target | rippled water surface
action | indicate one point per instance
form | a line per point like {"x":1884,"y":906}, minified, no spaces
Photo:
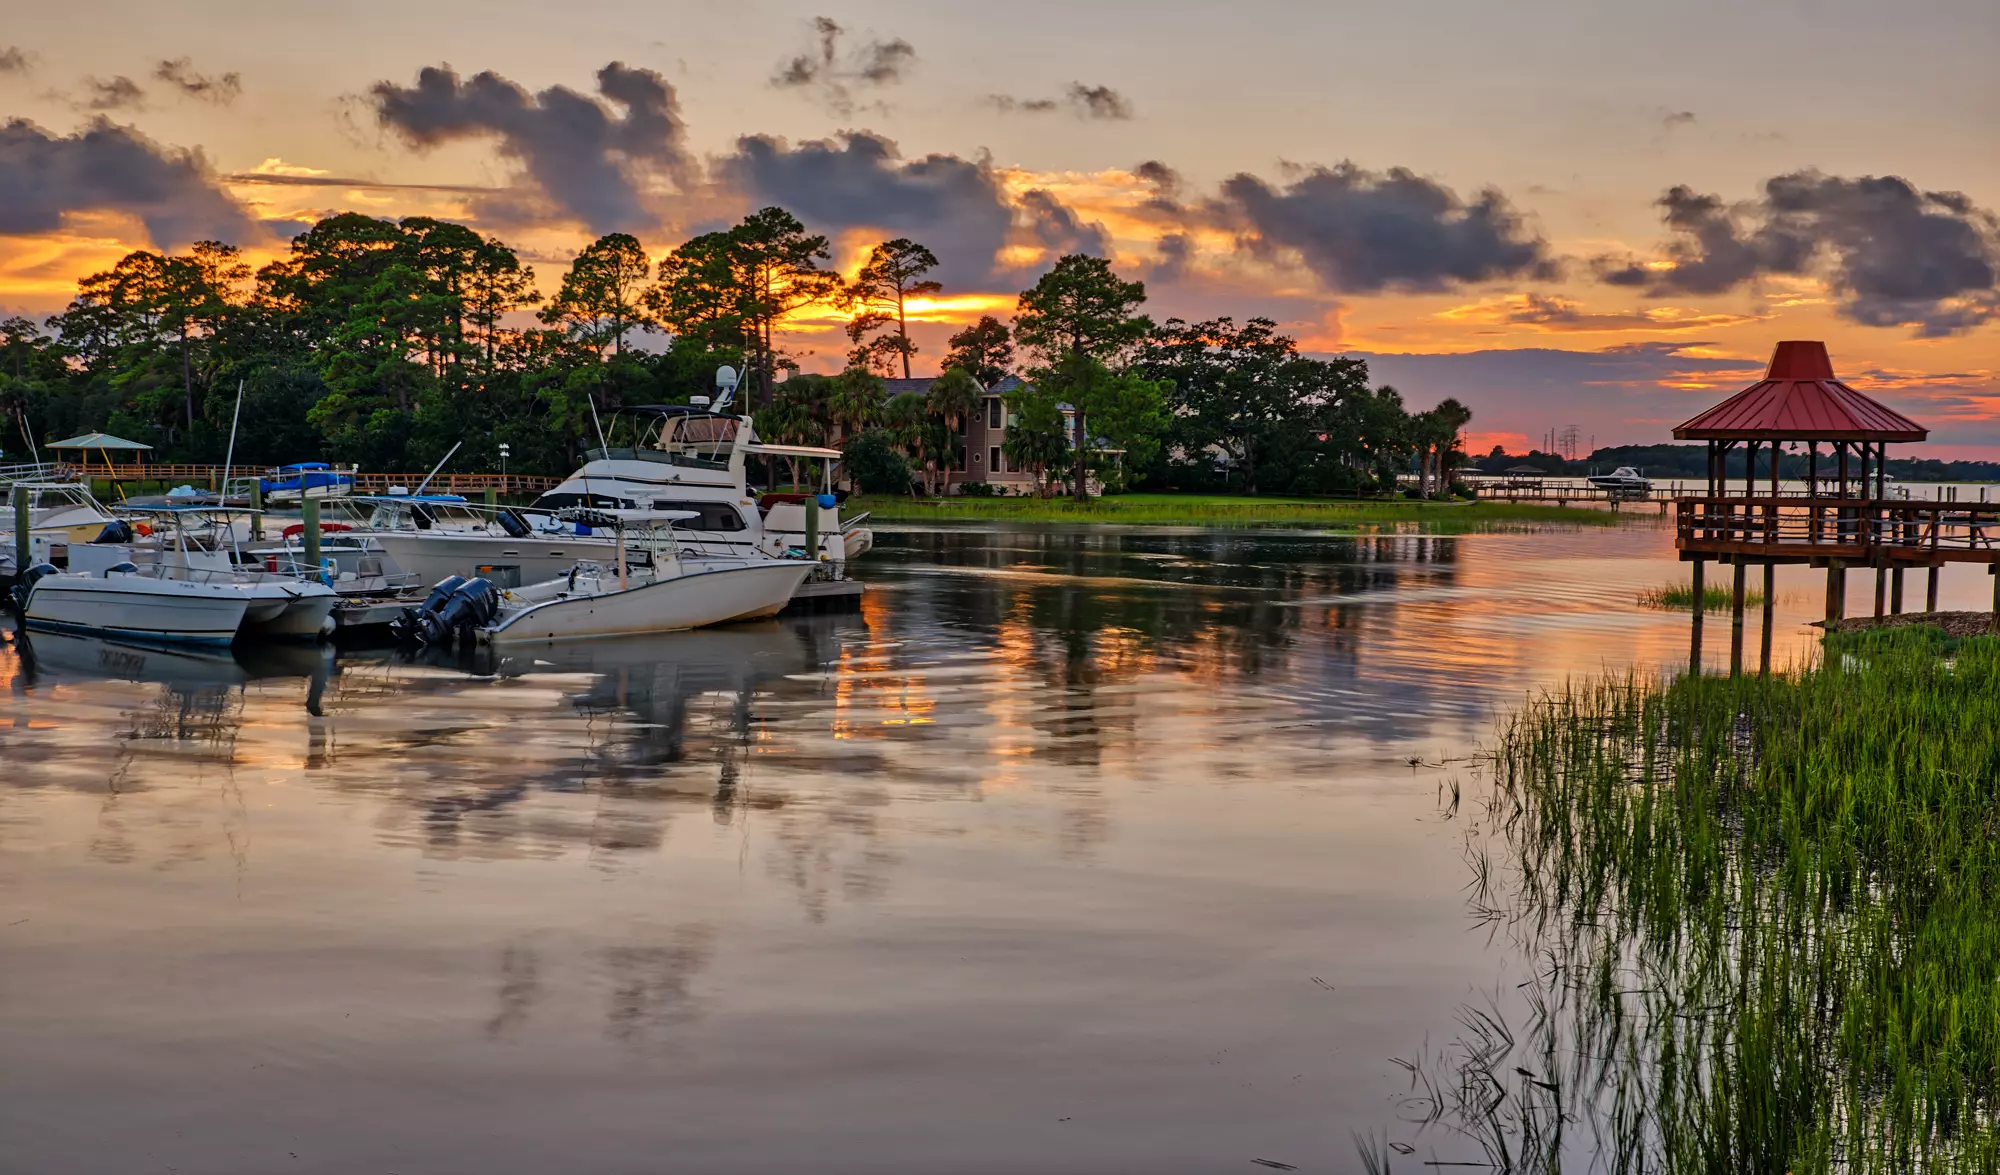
{"x":1073,"y":850}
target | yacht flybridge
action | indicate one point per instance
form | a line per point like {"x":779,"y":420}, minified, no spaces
{"x":687,"y":460}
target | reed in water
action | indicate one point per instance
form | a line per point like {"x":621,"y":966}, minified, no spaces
{"x":1765,"y":915}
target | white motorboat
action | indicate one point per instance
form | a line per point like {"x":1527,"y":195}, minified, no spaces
{"x":120,"y":601}
{"x":681,"y":459}
{"x":1624,"y":479}
{"x":196,"y":544}
{"x":648,"y":589}
{"x":59,"y":513}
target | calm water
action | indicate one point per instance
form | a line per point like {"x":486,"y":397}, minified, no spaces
{"x":1073,"y":851}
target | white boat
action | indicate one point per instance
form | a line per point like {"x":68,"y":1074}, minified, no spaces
{"x":647,"y":589}
{"x":196,"y":544}
{"x":681,"y":459}
{"x":59,"y":513}
{"x":122,"y":602}
{"x":1623,"y":479}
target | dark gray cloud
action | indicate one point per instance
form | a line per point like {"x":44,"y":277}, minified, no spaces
{"x":835,"y":75}
{"x":1892,"y":254}
{"x":1055,"y":227}
{"x":119,"y":93}
{"x":955,"y":206}
{"x":1086,"y":102}
{"x":1164,"y":180}
{"x":179,"y":72}
{"x":111,"y":168}
{"x":1176,"y":250}
{"x":339,"y":181}
{"x":593,"y":162}
{"x":1361,"y":231}
{"x":1674,"y":118}
{"x":13,"y":59}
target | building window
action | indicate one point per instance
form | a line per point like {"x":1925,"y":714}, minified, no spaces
{"x":958,"y":458}
{"x":975,"y":458}
{"x":993,"y":462}
{"x":993,"y":412}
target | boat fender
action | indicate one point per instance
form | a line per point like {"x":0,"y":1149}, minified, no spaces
{"x":513,"y":524}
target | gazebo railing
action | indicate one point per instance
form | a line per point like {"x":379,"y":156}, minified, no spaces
{"x":1838,"y":527}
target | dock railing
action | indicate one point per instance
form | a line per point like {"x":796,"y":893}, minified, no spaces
{"x":1855,"y":530}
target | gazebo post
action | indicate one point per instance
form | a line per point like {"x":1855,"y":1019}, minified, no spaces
{"x":1770,"y":618}
{"x":1931,"y":590}
{"x":1836,"y":593}
{"x":1881,"y":586}
{"x":1694,"y":653}
{"x":1736,"y":617}
{"x":1896,"y":591}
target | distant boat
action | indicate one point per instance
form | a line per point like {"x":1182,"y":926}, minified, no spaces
{"x":1624,"y":479}
{"x":310,"y":479}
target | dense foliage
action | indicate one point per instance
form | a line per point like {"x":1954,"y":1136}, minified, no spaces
{"x":385,"y":342}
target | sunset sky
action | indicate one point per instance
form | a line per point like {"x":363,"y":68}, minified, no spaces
{"x":1560,"y":212}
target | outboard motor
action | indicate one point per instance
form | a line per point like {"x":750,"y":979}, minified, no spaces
{"x":408,"y":626}
{"x":25,"y":585}
{"x":115,"y":531}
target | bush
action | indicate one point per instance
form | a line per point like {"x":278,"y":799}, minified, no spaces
{"x":875,"y":465}
{"x":980,"y":489}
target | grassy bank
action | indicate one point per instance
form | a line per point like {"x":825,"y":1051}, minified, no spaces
{"x":1764,"y":916}
{"x":1219,"y":510}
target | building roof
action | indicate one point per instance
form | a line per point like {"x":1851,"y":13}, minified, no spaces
{"x":922,"y":385}
{"x":1800,"y":400}
{"x":98,"y":440}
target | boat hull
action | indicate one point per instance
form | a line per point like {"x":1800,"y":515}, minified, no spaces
{"x":695,"y":600}
{"x":431,"y":556}
{"x":138,"y":607}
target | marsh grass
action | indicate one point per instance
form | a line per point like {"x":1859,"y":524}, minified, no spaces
{"x":1766,"y":920}
{"x":1680,"y":597}
{"x":1224,"y":511}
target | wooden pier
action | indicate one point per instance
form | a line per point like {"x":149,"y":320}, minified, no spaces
{"x":1844,"y":518}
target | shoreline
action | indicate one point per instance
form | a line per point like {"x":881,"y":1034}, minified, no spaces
{"x":1231,"y":511}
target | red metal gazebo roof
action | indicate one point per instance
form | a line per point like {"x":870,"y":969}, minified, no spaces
{"x":1799,"y":400}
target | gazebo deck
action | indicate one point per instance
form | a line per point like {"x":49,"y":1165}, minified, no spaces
{"x":1856,"y":532}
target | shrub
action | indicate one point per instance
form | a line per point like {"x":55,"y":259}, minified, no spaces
{"x":980,"y":489}
{"x":875,"y":465}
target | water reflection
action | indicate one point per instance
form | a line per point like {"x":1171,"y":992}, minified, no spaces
{"x":1088,"y":828}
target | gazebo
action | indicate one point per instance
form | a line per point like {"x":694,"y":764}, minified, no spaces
{"x":1842,"y":517}
{"x":104,"y":444}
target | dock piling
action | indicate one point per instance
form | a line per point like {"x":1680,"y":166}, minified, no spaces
{"x":1694,"y":654}
{"x":1896,"y":592}
{"x":1836,"y":592}
{"x":309,"y":517}
{"x":1736,"y":594}
{"x":1881,"y":588}
{"x":22,"y":545}
{"x":1931,"y":590}
{"x":1770,"y":618}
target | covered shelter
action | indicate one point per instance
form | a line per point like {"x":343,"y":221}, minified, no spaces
{"x":1799,"y":401}
{"x":104,"y":445}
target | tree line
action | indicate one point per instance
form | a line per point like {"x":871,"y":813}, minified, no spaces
{"x":385,"y":342}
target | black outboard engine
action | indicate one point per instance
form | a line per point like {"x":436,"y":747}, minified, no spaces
{"x":26,"y":584}
{"x":454,"y":608}
{"x":408,"y":627}
{"x":115,"y":531}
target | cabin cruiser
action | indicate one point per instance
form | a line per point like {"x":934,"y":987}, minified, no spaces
{"x":1624,"y":479}
{"x":113,"y":585}
{"x":59,"y":513}
{"x":648,"y":588}
{"x":682,"y":459}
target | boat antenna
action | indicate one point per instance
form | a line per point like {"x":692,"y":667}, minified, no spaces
{"x":427,"y":477}
{"x":592,"y":397}
{"x":229,"y":460}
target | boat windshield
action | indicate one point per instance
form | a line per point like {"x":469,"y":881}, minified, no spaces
{"x":695,"y":439}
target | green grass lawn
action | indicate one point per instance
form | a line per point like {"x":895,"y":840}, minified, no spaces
{"x":1442,"y":517}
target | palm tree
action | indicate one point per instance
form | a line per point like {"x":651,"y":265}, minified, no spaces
{"x":904,"y":420}
{"x":1452,"y":417}
{"x":953,"y":397}
{"x":856,"y":400}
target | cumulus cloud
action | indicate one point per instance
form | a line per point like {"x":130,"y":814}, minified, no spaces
{"x":111,"y":168}
{"x":859,"y":180}
{"x":179,"y":72}
{"x":13,"y":59}
{"x":1892,"y":254}
{"x":834,"y":75}
{"x":1559,"y":315}
{"x":1086,"y":102}
{"x":594,"y":162}
{"x":1362,"y":232}
{"x":119,"y":93}
{"x":1056,"y":228}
